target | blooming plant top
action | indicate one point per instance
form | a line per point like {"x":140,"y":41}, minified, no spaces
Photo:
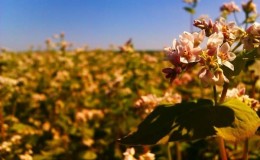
{"x":219,"y":38}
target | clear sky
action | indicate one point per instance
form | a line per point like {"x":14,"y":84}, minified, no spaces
{"x":152,"y":24}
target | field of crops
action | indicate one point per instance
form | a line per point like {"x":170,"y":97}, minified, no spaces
{"x":77,"y":104}
{"x":198,"y":99}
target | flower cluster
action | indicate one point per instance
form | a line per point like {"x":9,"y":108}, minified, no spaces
{"x":146,"y":104}
{"x":130,"y":152}
{"x":239,"y":93}
{"x":218,"y":38}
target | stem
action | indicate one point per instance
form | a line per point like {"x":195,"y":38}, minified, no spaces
{"x":245,"y":153}
{"x":224,"y":92}
{"x":215,"y":95}
{"x":221,"y":142}
{"x":169,"y":151}
{"x":178,"y":151}
{"x":222,"y":150}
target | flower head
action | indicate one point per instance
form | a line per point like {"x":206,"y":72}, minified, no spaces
{"x":147,"y":156}
{"x":230,"y":7}
{"x":129,"y":154}
{"x":224,"y":56}
{"x":252,"y":38}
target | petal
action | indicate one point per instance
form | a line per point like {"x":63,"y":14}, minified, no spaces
{"x":202,"y":72}
{"x":225,"y":48}
{"x":229,"y":65}
{"x":231,"y":56}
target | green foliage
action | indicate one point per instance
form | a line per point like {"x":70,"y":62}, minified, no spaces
{"x":245,"y":123}
{"x":233,"y":120}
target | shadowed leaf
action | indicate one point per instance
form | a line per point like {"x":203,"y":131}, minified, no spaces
{"x":184,"y":121}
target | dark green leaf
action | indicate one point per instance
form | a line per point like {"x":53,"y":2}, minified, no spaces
{"x":233,"y":120}
{"x":184,"y":121}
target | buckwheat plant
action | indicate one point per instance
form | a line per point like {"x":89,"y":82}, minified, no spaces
{"x":218,"y":51}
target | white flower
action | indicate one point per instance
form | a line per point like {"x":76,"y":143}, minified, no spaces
{"x":129,"y":154}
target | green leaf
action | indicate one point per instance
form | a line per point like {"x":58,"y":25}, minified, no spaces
{"x":184,"y":121}
{"x":245,"y":124}
{"x":233,"y":121}
{"x":189,"y":10}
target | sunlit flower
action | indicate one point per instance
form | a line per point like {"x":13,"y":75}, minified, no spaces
{"x":188,"y":46}
{"x":129,"y":154}
{"x":239,"y":93}
{"x":214,"y":41}
{"x":219,"y":77}
{"x":147,"y":156}
{"x":206,"y":76}
{"x":252,"y":39}
{"x":224,"y":56}
{"x":230,"y":7}
{"x":230,"y":30}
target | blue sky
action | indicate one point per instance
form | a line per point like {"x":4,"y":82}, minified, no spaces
{"x":152,"y":24}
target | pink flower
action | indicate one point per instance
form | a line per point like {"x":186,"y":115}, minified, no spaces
{"x":187,"y":49}
{"x":147,"y":156}
{"x":214,"y":41}
{"x":224,"y":56}
{"x":209,"y":77}
{"x":206,"y":76}
{"x":230,"y":31}
{"x":252,"y":39}
{"x":230,"y":7}
{"x":219,"y":78}
{"x":172,"y":54}
{"x":254,"y":29}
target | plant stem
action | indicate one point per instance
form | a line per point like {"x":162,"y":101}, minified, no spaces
{"x":221,"y":142}
{"x":222,"y":150}
{"x":245,"y":152}
{"x":178,"y":151}
{"x":224,"y":92}
{"x":215,"y":95}
{"x":169,"y":151}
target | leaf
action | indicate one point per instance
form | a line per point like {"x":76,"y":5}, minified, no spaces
{"x":233,"y":121}
{"x":245,"y":124}
{"x":189,"y":10}
{"x":184,"y":121}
